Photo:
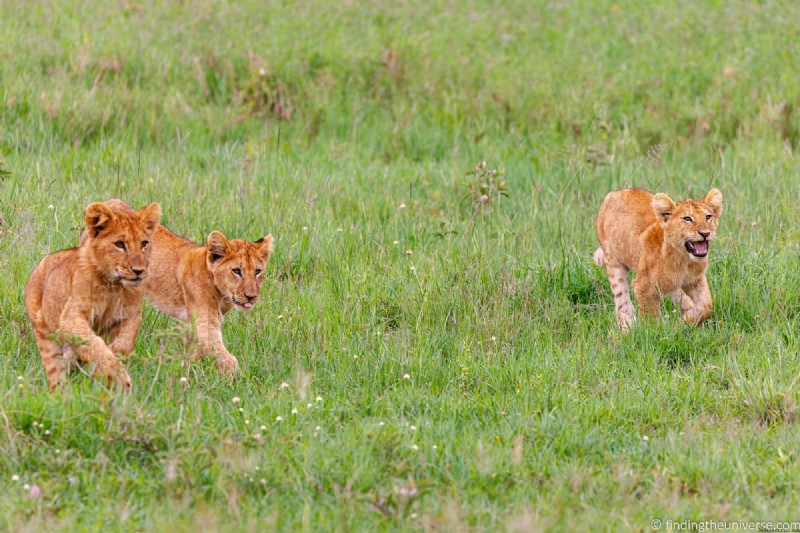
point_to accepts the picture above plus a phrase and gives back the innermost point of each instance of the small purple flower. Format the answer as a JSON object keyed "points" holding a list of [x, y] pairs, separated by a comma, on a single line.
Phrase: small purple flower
{"points": [[34, 491]]}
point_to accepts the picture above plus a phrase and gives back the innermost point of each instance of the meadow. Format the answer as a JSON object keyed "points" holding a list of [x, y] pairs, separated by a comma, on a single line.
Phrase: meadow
{"points": [[434, 349]]}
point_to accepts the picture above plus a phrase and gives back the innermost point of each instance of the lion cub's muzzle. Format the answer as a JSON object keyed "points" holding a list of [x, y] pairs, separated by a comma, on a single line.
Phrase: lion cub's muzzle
{"points": [[699, 249], [245, 302], [134, 277]]}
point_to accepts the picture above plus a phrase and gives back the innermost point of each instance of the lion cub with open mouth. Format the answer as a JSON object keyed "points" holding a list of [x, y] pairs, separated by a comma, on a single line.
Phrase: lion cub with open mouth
{"points": [[200, 284], [665, 244], [76, 297]]}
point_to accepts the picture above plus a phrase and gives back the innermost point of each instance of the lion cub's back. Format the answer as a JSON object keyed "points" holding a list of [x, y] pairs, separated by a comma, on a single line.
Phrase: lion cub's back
{"points": [[622, 218], [174, 261], [48, 288]]}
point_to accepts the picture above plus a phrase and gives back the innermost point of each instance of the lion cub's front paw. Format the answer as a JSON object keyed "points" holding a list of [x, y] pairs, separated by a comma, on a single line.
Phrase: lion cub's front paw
{"points": [[625, 322], [119, 381], [115, 375], [123, 381], [228, 365]]}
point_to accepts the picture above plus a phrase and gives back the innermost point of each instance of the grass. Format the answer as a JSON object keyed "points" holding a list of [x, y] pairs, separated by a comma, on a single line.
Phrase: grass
{"points": [[453, 364]]}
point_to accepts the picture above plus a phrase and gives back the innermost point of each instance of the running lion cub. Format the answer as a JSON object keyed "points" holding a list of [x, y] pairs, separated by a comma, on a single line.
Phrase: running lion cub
{"points": [[665, 244], [202, 283], [76, 297]]}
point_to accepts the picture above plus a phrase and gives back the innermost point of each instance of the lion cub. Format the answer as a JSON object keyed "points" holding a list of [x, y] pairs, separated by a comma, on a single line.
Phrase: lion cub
{"points": [[202, 283], [665, 244], [76, 296]]}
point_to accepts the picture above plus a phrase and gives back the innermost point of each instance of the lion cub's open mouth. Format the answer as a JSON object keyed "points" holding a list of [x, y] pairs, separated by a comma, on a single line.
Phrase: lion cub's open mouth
{"points": [[697, 249]]}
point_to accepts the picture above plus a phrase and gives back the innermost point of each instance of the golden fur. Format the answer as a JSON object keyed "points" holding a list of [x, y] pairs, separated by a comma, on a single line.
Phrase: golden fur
{"points": [[665, 244], [76, 297], [202, 283]]}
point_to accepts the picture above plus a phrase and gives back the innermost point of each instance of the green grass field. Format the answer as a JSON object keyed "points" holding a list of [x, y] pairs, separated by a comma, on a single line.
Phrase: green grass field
{"points": [[420, 360]]}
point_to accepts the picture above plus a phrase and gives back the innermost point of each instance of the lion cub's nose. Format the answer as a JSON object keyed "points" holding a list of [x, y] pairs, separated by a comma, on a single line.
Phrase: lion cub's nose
{"points": [[138, 271], [704, 234]]}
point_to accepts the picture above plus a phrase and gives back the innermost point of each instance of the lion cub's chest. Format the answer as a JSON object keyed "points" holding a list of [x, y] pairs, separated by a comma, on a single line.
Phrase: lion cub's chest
{"points": [[107, 313], [672, 275]]}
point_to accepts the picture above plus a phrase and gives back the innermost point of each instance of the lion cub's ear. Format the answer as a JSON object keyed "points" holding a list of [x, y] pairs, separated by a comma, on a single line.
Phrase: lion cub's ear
{"points": [[265, 246], [217, 246], [662, 207], [150, 216], [97, 217], [714, 200]]}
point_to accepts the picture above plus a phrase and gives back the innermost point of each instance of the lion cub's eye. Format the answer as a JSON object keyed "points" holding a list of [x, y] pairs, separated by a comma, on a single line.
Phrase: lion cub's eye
{"points": [[708, 217], [258, 271], [687, 219], [238, 272], [144, 244], [120, 246]]}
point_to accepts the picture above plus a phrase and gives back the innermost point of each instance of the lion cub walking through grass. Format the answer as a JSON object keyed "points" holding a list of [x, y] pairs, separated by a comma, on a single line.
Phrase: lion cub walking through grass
{"points": [[665, 244], [76, 296], [202, 283]]}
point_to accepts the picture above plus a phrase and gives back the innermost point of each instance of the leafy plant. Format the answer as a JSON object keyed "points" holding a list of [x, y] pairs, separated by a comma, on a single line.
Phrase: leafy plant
{"points": [[483, 189]]}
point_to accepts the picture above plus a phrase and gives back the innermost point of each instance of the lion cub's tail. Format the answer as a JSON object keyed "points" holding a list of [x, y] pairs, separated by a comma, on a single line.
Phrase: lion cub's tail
{"points": [[600, 258]]}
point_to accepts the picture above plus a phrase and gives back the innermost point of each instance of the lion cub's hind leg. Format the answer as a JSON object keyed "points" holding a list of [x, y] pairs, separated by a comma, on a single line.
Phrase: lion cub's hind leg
{"points": [[57, 360], [618, 279]]}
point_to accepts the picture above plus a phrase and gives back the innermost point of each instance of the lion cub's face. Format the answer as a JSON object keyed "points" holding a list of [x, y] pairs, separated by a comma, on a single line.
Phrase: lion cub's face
{"points": [[237, 267], [689, 225], [118, 241]]}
